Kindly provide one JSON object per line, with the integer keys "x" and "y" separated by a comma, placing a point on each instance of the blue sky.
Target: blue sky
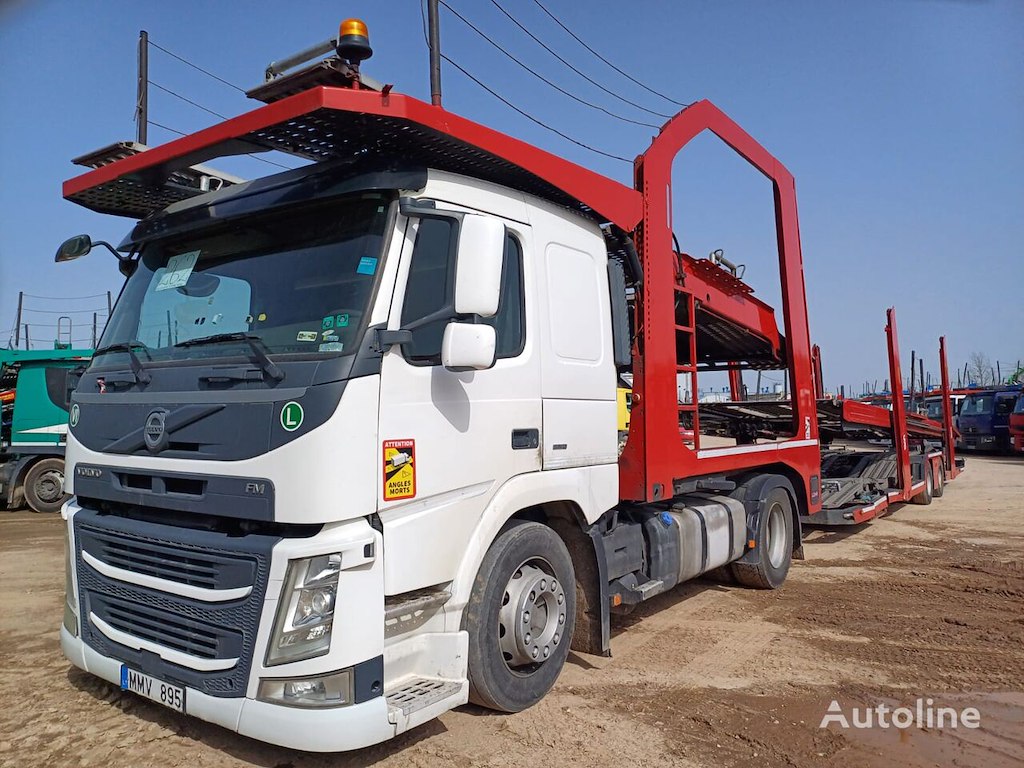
{"x": 902, "y": 120}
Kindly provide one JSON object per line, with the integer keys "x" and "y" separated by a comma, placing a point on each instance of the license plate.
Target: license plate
{"x": 155, "y": 690}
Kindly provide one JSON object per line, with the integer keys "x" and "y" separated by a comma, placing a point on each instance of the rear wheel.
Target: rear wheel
{"x": 940, "y": 483}
{"x": 774, "y": 544}
{"x": 44, "y": 486}
{"x": 520, "y": 618}
{"x": 924, "y": 498}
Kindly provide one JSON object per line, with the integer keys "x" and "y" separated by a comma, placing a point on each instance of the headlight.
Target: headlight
{"x": 305, "y": 615}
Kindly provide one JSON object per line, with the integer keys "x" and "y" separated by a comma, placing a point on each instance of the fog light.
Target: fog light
{"x": 333, "y": 690}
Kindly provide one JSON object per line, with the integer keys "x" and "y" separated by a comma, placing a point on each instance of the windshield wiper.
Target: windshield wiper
{"x": 255, "y": 342}
{"x": 142, "y": 376}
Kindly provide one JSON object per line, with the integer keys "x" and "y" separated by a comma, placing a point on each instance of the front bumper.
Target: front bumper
{"x": 315, "y": 730}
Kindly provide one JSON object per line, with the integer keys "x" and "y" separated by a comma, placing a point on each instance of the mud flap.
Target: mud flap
{"x": 593, "y": 616}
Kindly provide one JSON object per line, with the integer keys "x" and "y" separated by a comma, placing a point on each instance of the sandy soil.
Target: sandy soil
{"x": 928, "y": 602}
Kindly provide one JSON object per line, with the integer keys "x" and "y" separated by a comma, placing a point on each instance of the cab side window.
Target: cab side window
{"x": 431, "y": 287}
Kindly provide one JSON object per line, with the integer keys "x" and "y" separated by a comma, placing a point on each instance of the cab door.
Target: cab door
{"x": 451, "y": 439}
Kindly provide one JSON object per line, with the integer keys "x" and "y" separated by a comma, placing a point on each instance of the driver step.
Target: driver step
{"x": 421, "y": 692}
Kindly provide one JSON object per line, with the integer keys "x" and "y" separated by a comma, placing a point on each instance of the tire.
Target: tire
{"x": 774, "y": 544}
{"x": 44, "y": 486}
{"x": 517, "y": 613}
{"x": 940, "y": 484}
{"x": 924, "y": 498}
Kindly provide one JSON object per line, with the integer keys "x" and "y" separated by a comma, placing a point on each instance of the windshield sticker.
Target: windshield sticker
{"x": 327, "y": 323}
{"x": 332, "y": 346}
{"x": 331, "y": 336}
{"x": 341, "y": 321}
{"x": 367, "y": 265}
{"x": 399, "y": 469}
{"x": 291, "y": 416}
{"x": 179, "y": 269}
{"x": 306, "y": 336}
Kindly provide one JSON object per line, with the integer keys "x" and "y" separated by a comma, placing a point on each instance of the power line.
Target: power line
{"x": 539, "y": 76}
{"x": 166, "y": 128}
{"x": 602, "y": 58}
{"x": 211, "y": 112}
{"x": 589, "y": 79}
{"x": 531, "y": 118}
{"x": 187, "y": 100}
{"x": 183, "y": 60}
{"x": 65, "y": 298}
{"x": 100, "y": 311}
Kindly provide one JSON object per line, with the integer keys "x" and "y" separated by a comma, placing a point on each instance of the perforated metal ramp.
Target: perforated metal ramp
{"x": 836, "y": 419}
{"x": 342, "y": 124}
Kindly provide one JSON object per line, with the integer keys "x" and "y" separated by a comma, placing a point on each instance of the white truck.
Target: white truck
{"x": 346, "y": 456}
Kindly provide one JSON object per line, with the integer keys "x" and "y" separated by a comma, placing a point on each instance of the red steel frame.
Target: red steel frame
{"x": 896, "y": 419}
{"x": 947, "y": 415}
{"x": 655, "y": 454}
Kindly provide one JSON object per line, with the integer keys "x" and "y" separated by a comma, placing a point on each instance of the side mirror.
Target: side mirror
{"x": 468, "y": 347}
{"x": 478, "y": 266}
{"x": 73, "y": 248}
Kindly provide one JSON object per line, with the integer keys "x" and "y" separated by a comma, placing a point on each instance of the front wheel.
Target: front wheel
{"x": 774, "y": 544}
{"x": 44, "y": 486}
{"x": 520, "y": 618}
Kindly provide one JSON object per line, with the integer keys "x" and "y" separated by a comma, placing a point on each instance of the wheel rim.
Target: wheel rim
{"x": 776, "y": 535}
{"x": 931, "y": 483}
{"x": 50, "y": 486}
{"x": 532, "y": 616}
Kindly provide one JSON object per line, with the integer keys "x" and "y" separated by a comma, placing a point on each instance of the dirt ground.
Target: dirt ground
{"x": 928, "y": 602}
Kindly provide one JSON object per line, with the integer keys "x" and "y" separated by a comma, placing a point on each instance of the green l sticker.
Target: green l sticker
{"x": 291, "y": 416}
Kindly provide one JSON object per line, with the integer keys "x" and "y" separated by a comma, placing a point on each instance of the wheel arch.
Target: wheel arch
{"x": 752, "y": 488}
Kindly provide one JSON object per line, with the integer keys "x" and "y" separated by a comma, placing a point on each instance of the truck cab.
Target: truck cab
{"x": 1017, "y": 425}
{"x": 984, "y": 419}
{"x": 34, "y": 387}
{"x": 348, "y": 454}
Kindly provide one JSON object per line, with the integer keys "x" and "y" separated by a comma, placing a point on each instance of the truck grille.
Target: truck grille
{"x": 185, "y": 566}
{"x": 200, "y": 629}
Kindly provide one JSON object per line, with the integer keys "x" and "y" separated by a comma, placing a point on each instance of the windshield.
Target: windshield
{"x": 977, "y": 405}
{"x": 299, "y": 280}
{"x": 1020, "y": 405}
{"x": 934, "y": 409}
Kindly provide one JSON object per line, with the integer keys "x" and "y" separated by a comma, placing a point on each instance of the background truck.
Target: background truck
{"x": 1017, "y": 425}
{"x": 347, "y": 456}
{"x": 985, "y": 418}
{"x": 34, "y": 393}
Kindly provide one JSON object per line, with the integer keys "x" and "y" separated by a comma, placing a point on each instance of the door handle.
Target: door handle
{"x": 524, "y": 439}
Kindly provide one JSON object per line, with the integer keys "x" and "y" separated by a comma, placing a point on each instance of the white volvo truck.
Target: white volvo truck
{"x": 346, "y": 456}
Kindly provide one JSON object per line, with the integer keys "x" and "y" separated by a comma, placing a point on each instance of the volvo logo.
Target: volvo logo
{"x": 155, "y": 431}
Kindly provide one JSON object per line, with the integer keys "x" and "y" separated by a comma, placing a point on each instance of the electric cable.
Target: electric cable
{"x": 541, "y": 77}
{"x": 602, "y": 58}
{"x": 531, "y": 118}
{"x": 586, "y": 77}
{"x": 183, "y": 60}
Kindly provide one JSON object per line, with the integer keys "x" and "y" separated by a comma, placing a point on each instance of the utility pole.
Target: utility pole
{"x": 17, "y": 325}
{"x": 434, "y": 34}
{"x": 142, "y": 98}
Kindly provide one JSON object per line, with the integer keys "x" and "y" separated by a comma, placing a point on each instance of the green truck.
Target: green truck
{"x": 34, "y": 386}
